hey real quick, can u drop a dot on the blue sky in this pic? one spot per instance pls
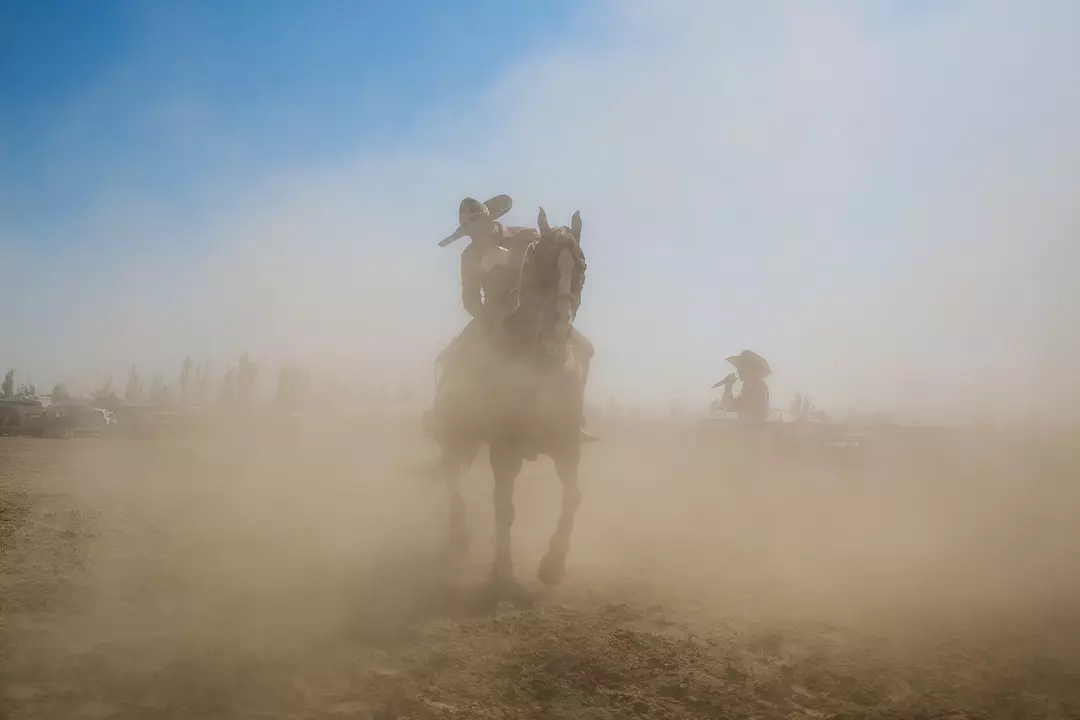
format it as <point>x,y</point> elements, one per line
<point>877,196</point>
<point>93,98</point>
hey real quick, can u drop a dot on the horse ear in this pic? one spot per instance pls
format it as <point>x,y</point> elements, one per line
<point>575,226</point>
<point>542,222</point>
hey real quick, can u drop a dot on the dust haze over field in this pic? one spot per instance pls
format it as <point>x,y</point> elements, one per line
<point>876,197</point>
<point>302,576</point>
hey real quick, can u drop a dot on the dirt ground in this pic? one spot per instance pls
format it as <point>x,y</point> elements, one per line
<point>302,577</point>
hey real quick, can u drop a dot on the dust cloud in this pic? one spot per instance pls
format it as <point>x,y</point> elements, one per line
<point>305,572</point>
<point>878,198</point>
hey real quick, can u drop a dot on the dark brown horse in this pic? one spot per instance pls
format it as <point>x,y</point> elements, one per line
<point>523,396</point>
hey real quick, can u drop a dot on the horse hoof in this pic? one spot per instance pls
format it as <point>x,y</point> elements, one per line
<point>484,600</point>
<point>509,589</point>
<point>552,569</point>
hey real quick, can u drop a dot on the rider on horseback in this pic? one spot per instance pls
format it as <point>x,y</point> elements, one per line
<point>490,275</point>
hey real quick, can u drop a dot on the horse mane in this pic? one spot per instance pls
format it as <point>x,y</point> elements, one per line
<point>533,324</point>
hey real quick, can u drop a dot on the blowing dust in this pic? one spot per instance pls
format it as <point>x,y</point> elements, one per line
<point>880,197</point>
<point>155,576</point>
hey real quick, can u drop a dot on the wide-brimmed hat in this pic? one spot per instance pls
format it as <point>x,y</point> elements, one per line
<point>750,362</point>
<point>469,209</point>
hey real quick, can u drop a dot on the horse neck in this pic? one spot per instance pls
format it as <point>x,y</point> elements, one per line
<point>529,330</point>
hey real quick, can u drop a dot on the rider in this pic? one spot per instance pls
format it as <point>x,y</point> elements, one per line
<point>490,272</point>
<point>752,404</point>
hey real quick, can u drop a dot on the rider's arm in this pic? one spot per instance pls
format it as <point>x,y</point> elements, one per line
<point>471,295</point>
<point>729,402</point>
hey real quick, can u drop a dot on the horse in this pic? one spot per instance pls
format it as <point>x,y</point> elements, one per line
<point>525,399</point>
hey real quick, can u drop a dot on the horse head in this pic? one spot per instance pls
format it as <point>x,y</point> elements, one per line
<point>552,278</point>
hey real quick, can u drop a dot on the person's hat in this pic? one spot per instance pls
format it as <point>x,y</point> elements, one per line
<point>469,209</point>
<point>750,362</point>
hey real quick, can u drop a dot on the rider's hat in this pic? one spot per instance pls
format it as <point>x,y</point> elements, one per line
<point>749,362</point>
<point>469,209</point>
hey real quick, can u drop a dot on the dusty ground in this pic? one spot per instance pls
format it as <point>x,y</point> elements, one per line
<point>301,578</point>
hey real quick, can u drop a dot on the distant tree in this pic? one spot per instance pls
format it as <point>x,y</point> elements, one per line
<point>159,391</point>
<point>228,387</point>
<point>282,393</point>
<point>302,387</point>
<point>27,389</point>
<point>204,382</point>
<point>104,396</point>
<point>165,396</point>
<point>8,388</point>
<point>293,389</point>
<point>60,393</point>
<point>133,390</point>
<point>196,385</point>
<point>246,375</point>
<point>186,374</point>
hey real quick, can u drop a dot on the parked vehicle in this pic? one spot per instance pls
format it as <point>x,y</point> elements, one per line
<point>93,422</point>
<point>29,415</point>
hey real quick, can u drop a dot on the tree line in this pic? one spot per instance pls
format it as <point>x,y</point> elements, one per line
<point>198,384</point>
<point>195,384</point>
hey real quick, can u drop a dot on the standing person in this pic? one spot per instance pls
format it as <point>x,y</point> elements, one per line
<point>752,404</point>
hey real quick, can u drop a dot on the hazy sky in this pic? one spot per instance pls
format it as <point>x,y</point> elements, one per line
<point>880,197</point>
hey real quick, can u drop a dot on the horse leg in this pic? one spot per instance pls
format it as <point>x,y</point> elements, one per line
<point>456,461</point>
<point>553,565</point>
<point>506,463</point>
